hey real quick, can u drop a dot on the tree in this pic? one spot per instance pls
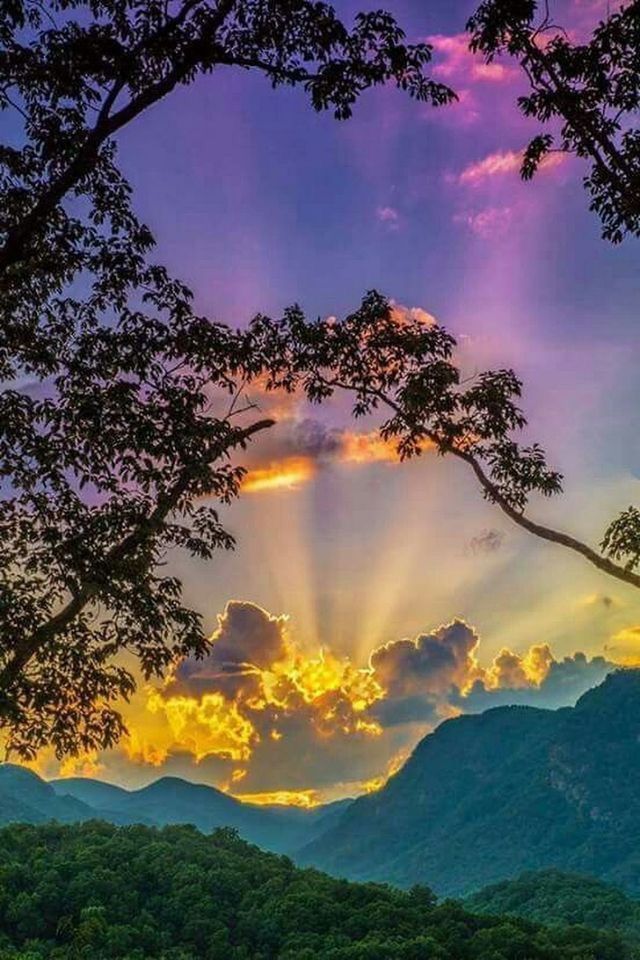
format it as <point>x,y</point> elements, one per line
<point>121,407</point>
<point>590,90</point>
<point>245,904</point>
<point>409,369</point>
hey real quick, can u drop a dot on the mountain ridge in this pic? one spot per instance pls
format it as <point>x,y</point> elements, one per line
<point>26,797</point>
<point>485,797</point>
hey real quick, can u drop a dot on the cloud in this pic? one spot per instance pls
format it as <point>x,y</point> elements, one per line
<point>487,541</point>
<point>487,223</point>
<point>402,315</point>
<point>389,216</point>
<point>287,474</point>
<point>297,450</point>
<point>292,453</point>
<point>454,61</point>
<point>499,163</point>
<point>624,646</point>
<point>247,640</point>
<point>562,683</point>
<point>418,674</point>
<point>283,719</point>
<point>263,717</point>
<point>429,664</point>
<point>287,720</point>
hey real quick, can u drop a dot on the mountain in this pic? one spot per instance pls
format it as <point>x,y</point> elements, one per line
<point>486,797</point>
<point>553,897</point>
<point>96,890</point>
<point>26,798</point>
<point>173,800</point>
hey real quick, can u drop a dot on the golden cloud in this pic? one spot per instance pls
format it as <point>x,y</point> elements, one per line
<point>345,447</point>
<point>271,722</point>
<point>625,647</point>
<point>288,474</point>
<point>289,724</point>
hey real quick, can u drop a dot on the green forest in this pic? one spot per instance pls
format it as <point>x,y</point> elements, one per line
<point>95,890</point>
<point>554,897</point>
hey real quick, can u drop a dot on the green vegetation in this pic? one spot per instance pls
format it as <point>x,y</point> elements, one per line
<point>98,891</point>
<point>553,897</point>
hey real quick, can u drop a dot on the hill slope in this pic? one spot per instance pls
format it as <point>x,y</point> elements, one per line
<point>487,797</point>
<point>173,800</point>
<point>553,897</point>
<point>27,798</point>
<point>95,890</point>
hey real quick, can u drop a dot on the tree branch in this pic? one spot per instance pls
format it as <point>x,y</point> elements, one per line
<point>14,248</point>
<point>516,516</point>
<point>27,647</point>
<point>547,533</point>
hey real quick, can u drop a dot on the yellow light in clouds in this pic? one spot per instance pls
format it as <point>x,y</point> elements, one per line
<point>376,783</point>
<point>209,724</point>
<point>625,647</point>
<point>287,474</point>
<point>317,676</point>
<point>85,765</point>
<point>289,798</point>
<point>360,448</point>
<point>367,448</point>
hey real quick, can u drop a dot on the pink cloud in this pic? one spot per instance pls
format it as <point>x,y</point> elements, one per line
<point>389,216</point>
<point>456,61</point>
<point>503,162</point>
<point>488,223</point>
<point>491,166</point>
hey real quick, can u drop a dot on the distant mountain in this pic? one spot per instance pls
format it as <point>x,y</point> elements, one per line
<point>173,800</point>
<point>97,793</point>
<point>486,797</point>
<point>563,899</point>
<point>27,798</point>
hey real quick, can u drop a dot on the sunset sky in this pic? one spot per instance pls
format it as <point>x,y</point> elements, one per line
<point>370,599</point>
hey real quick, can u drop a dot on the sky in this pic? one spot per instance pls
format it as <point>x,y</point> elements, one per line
<point>368,600</point>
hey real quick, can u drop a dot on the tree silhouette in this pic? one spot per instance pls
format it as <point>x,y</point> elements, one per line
<point>591,89</point>
<point>410,369</point>
<point>120,407</point>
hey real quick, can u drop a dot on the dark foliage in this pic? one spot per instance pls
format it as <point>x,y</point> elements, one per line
<point>586,93</point>
<point>101,892</point>
<point>120,407</point>
<point>553,897</point>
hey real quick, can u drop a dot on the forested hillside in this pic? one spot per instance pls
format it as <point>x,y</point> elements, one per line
<point>553,897</point>
<point>98,891</point>
<point>487,797</point>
